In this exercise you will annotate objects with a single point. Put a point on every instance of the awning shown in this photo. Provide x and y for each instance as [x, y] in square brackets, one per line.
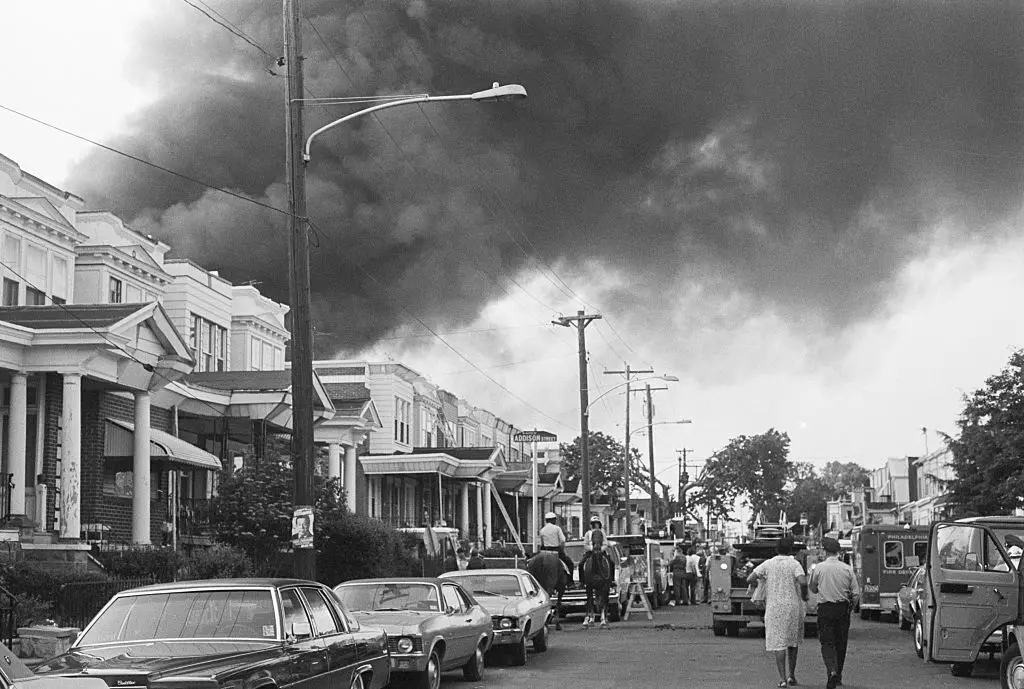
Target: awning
[120, 438]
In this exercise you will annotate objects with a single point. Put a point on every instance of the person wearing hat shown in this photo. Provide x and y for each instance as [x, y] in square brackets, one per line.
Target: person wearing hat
[553, 538]
[836, 586]
[588, 539]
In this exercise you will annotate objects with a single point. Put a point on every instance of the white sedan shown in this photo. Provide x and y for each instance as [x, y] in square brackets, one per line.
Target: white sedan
[518, 606]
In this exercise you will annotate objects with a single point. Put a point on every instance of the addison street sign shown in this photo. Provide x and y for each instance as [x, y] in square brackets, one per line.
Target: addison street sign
[534, 437]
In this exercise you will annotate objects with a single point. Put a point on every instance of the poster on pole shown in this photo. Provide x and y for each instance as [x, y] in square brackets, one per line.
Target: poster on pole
[302, 527]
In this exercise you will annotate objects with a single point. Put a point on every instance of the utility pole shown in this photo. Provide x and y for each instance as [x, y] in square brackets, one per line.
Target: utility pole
[684, 478]
[298, 285]
[650, 447]
[581, 320]
[628, 372]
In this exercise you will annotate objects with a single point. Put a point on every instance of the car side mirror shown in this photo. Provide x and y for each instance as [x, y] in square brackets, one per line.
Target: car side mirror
[451, 610]
[301, 630]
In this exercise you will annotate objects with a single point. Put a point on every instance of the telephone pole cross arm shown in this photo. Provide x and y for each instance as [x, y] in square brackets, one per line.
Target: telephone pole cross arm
[580, 321]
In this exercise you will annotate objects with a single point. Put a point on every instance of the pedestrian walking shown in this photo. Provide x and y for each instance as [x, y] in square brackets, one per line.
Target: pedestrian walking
[785, 588]
[678, 569]
[836, 586]
[692, 575]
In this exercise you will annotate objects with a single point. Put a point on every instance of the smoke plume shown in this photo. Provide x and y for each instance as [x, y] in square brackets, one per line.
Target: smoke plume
[796, 153]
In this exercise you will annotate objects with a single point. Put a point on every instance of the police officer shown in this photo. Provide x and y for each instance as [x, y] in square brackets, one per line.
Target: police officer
[553, 538]
[836, 586]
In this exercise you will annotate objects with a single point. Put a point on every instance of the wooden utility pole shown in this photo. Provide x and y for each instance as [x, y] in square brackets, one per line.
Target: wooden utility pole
[628, 372]
[298, 285]
[650, 447]
[581, 320]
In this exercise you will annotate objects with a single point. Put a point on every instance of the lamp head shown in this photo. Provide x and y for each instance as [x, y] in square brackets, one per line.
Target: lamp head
[669, 378]
[500, 93]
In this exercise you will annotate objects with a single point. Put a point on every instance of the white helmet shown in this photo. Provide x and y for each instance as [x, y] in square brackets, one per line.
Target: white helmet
[550, 515]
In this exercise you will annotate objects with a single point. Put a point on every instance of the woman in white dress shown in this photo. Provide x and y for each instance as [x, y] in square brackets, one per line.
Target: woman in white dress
[785, 597]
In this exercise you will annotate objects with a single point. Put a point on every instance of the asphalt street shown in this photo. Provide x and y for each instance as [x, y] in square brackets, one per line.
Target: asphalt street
[678, 649]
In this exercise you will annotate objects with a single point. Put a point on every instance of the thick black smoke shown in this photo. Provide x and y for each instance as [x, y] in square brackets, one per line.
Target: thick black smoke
[797, 153]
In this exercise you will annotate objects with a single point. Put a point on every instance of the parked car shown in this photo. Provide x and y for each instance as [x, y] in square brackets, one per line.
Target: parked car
[518, 605]
[14, 674]
[226, 633]
[909, 598]
[433, 625]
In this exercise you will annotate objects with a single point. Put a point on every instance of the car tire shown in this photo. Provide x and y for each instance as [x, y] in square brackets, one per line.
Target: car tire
[518, 653]
[918, 634]
[905, 624]
[540, 642]
[1011, 667]
[357, 682]
[865, 614]
[961, 669]
[718, 628]
[473, 670]
[732, 629]
[430, 678]
[614, 611]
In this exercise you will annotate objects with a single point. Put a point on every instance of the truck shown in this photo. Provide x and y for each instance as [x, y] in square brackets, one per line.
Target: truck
[731, 606]
[973, 595]
[884, 558]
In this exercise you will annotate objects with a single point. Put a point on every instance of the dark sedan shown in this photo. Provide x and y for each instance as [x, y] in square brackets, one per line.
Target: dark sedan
[227, 633]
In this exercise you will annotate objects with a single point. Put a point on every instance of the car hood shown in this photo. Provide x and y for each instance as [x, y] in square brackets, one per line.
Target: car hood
[499, 605]
[397, 621]
[141, 659]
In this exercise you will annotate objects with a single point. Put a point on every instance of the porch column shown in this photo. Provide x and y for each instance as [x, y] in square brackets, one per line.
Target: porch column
[464, 512]
[487, 515]
[71, 458]
[350, 478]
[16, 435]
[480, 511]
[333, 460]
[140, 471]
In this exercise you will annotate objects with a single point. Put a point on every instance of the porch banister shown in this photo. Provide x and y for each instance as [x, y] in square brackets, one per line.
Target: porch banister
[350, 478]
[141, 471]
[71, 458]
[16, 435]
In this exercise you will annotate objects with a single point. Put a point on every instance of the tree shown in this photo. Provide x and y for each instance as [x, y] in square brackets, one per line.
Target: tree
[843, 478]
[606, 455]
[754, 469]
[807, 493]
[988, 453]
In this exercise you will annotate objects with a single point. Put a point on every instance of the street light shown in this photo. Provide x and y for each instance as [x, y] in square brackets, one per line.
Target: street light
[667, 378]
[495, 94]
[298, 255]
[650, 451]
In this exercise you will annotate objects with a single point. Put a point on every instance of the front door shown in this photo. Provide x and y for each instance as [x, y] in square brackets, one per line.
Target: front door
[972, 590]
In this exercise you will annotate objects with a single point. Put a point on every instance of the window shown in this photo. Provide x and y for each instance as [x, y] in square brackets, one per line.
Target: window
[452, 599]
[255, 355]
[209, 344]
[893, 554]
[11, 289]
[968, 548]
[115, 295]
[921, 551]
[402, 413]
[59, 284]
[34, 297]
[294, 613]
[321, 612]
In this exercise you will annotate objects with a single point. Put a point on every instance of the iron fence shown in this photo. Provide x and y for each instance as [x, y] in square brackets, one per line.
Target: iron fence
[78, 602]
[6, 488]
[8, 616]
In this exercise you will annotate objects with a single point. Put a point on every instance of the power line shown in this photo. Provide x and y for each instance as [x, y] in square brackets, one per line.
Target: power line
[222, 21]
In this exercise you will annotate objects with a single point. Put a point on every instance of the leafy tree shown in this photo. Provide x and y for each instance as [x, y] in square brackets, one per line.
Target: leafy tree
[754, 469]
[807, 493]
[605, 463]
[843, 478]
[988, 453]
[253, 506]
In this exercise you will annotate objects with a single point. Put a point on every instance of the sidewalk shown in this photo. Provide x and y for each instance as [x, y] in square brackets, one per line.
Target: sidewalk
[667, 617]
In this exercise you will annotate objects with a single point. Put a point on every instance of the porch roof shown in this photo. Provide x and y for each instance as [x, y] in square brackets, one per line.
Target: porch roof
[444, 461]
[119, 440]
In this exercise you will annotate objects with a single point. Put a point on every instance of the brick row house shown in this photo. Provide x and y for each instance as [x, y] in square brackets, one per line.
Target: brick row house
[130, 381]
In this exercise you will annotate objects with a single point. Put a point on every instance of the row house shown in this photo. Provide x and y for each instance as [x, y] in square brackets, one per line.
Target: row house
[129, 381]
[931, 473]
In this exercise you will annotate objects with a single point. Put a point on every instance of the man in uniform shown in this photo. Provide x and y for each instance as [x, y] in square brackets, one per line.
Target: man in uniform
[836, 586]
[552, 538]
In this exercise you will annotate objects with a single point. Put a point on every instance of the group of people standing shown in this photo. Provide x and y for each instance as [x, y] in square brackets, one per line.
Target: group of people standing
[689, 569]
[785, 590]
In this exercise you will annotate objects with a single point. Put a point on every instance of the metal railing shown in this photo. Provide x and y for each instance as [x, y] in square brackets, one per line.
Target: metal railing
[8, 616]
[6, 490]
[78, 602]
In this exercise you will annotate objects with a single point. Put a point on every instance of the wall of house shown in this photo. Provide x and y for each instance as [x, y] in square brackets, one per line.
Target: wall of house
[384, 388]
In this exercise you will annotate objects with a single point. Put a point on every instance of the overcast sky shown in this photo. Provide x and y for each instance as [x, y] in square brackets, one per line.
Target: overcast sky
[809, 213]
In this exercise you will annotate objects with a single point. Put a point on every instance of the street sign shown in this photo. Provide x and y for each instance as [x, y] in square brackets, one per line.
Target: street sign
[534, 437]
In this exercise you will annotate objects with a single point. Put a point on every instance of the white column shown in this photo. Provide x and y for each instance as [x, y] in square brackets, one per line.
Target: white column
[16, 436]
[333, 460]
[488, 511]
[350, 478]
[71, 458]
[140, 471]
[464, 512]
[480, 512]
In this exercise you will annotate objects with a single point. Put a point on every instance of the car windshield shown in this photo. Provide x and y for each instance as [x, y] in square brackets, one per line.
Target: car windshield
[389, 596]
[491, 584]
[237, 614]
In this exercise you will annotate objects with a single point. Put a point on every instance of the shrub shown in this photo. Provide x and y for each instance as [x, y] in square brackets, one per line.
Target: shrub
[219, 561]
[160, 564]
[23, 578]
[355, 547]
[29, 610]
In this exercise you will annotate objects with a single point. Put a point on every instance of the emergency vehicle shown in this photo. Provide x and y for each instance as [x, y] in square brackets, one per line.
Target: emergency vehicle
[884, 557]
[731, 606]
